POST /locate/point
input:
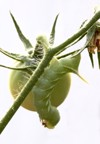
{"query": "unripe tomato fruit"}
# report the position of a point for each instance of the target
(19, 78)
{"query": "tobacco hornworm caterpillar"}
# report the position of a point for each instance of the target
(45, 85)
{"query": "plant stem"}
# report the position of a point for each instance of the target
(81, 32)
(47, 58)
(24, 92)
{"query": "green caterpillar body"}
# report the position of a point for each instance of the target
(45, 84)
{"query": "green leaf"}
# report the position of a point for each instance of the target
(25, 41)
(17, 57)
(28, 64)
(52, 34)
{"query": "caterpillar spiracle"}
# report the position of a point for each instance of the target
(49, 115)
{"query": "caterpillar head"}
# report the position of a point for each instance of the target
(47, 124)
(51, 119)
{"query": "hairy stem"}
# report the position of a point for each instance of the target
(33, 79)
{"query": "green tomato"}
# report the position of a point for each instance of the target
(19, 78)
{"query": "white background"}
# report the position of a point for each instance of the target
(80, 113)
